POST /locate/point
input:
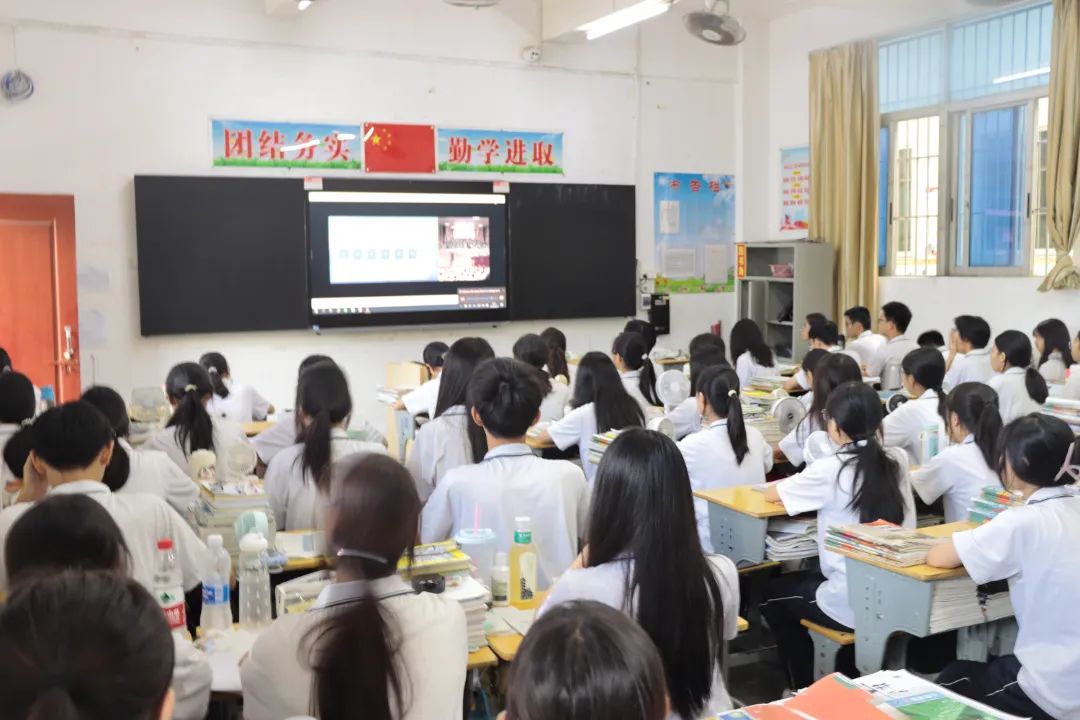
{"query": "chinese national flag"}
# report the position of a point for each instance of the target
(399, 148)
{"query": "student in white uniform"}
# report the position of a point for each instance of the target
(630, 352)
(645, 329)
(686, 416)
(625, 677)
(283, 433)
(922, 372)
(72, 532)
(511, 482)
(85, 645)
(17, 408)
(298, 478)
(750, 354)
(643, 557)
(861, 483)
(1021, 389)
(969, 352)
(1054, 345)
(556, 341)
(1072, 387)
(893, 322)
(825, 337)
(191, 427)
(831, 371)
(960, 472)
(370, 644)
(232, 401)
(423, 399)
(1032, 547)
(935, 341)
(532, 350)
(150, 471)
(72, 448)
(862, 344)
(600, 403)
(728, 453)
(450, 439)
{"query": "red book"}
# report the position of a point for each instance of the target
(399, 148)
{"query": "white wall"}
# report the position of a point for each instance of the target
(126, 87)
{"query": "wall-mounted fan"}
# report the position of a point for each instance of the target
(715, 27)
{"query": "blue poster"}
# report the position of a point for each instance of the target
(500, 151)
(694, 232)
(795, 189)
(254, 143)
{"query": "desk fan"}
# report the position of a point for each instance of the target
(672, 387)
(788, 413)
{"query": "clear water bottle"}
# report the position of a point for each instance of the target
(169, 587)
(216, 609)
(254, 577)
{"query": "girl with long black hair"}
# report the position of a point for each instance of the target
(830, 373)
(923, 372)
(750, 354)
(861, 483)
(370, 644)
(630, 352)
(532, 350)
(1072, 387)
(1054, 344)
(644, 557)
(1021, 389)
(298, 478)
(237, 402)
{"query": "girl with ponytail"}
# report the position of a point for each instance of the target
(630, 351)
(1021, 389)
(1054, 345)
(923, 373)
(532, 350)
(960, 472)
(861, 483)
(17, 407)
(728, 453)
(239, 403)
(298, 478)
(370, 644)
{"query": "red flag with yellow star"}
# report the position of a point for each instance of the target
(392, 148)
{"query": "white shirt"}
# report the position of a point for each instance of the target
(422, 400)
(973, 367)
(959, 472)
(226, 434)
(607, 584)
(277, 437)
(1054, 370)
(865, 347)
(431, 649)
(243, 404)
(710, 460)
(1013, 397)
(631, 380)
(296, 500)
(1072, 386)
(685, 417)
(554, 405)
(803, 380)
(153, 472)
(512, 482)
(904, 425)
(794, 443)
(893, 350)
(441, 445)
(1030, 546)
(827, 487)
(191, 681)
(747, 368)
(577, 427)
(142, 519)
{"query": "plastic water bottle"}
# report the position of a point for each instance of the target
(216, 609)
(169, 588)
(523, 566)
(254, 577)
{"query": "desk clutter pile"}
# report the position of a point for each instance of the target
(1064, 409)
(883, 541)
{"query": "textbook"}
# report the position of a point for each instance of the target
(991, 502)
(443, 558)
(885, 541)
(791, 538)
(600, 443)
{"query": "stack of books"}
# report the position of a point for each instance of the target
(767, 384)
(600, 443)
(221, 503)
(791, 538)
(889, 543)
(1064, 409)
(990, 503)
(474, 599)
(443, 558)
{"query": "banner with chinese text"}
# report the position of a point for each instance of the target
(252, 143)
(500, 151)
(694, 233)
(795, 189)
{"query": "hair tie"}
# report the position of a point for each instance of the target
(212, 370)
(360, 554)
(189, 388)
(732, 393)
(1068, 468)
(645, 356)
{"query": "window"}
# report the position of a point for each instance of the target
(1044, 256)
(914, 196)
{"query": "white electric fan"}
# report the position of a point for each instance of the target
(240, 461)
(672, 387)
(788, 413)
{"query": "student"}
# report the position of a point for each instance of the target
(149, 471)
(504, 399)
(686, 417)
(893, 322)
(586, 661)
(191, 427)
(423, 399)
(72, 447)
(17, 407)
(932, 339)
(704, 340)
(1072, 387)
(963, 469)
(284, 432)
(85, 645)
(72, 532)
(969, 354)
(298, 478)
(532, 350)
(630, 351)
(807, 367)
(1021, 389)
(449, 439)
(923, 370)
(370, 644)
(750, 354)
(830, 372)
(239, 403)
(643, 557)
(1031, 546)
(862, 344)
(1055, 350)
(823, 336)
(861, 483)
(811, 321)
(644, 329)
(727, 454)
(600, 403)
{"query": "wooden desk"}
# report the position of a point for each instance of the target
(299, 564)
(738, 522)
(535, 444)
(481, 659)
(251, 429)
(675, 363)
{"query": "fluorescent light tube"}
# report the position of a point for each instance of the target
(1021, 75)
(639, 12)
(303, 5)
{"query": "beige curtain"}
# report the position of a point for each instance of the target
(844, 128)
(1063, 146)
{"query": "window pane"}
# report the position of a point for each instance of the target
(1001, 53)
(997, 188)
(883, 199)
(910, 71)
(915, 196)
(1044, 256)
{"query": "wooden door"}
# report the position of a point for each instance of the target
(38, 304)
